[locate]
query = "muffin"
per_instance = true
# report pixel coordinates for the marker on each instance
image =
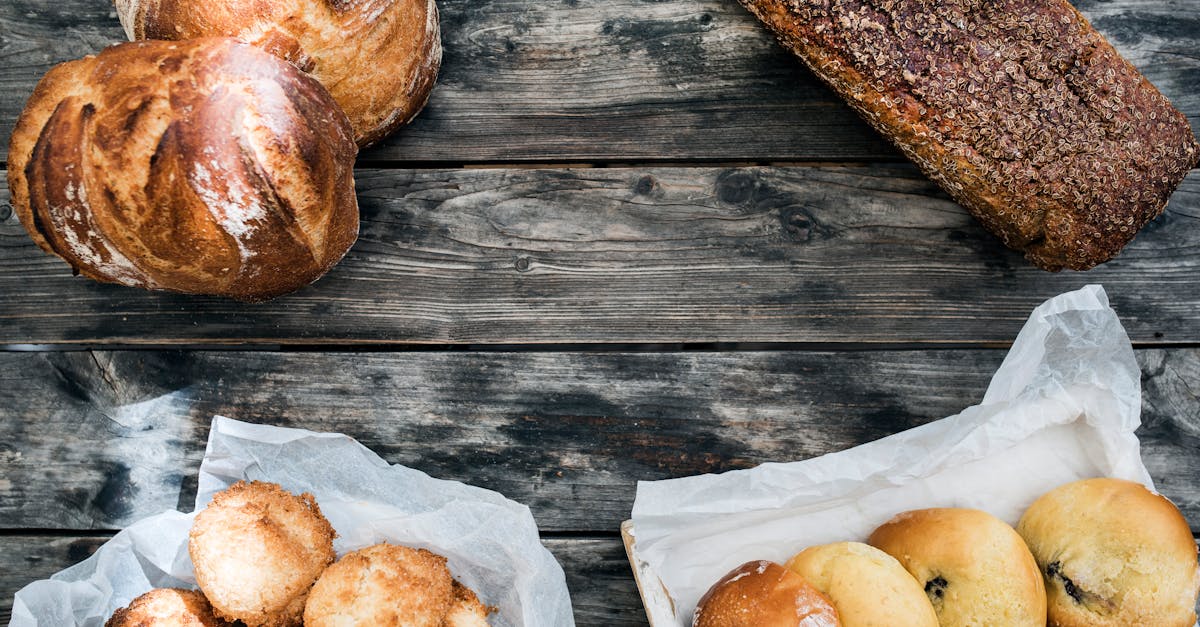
(1113, 553)
(975, 569)
(257, 550)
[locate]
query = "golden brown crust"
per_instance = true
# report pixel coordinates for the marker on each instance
(203, 166)
(378, 58)
(167, 607)
(975, 569)
(387, 584)
(868, 587)
(764, 594)
(1019, 109)
(257, 549)
(1112, 554)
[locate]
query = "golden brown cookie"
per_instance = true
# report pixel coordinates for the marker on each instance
(257, 550)
(167, 607)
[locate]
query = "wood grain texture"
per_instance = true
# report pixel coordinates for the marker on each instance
(97, 440)
(615, 80)
(602, 590)
(610, 255)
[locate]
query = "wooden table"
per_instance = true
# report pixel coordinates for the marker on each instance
(626, 240)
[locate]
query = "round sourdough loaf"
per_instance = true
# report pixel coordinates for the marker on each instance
(379, 58)
(206, 166)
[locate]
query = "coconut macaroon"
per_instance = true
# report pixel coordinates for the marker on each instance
(974, 568)
(388, 584)
(868, 587)
(257, 550)
(167, 607)
(1112, 554)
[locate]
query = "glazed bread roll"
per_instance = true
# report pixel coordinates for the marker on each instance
(1018, 109)
(167, 607)
(764, 594)
(868, 587)
(1113, 554)
(205, 166)
(975, 569)
(257, 549)
(379, 58)
(386, 584)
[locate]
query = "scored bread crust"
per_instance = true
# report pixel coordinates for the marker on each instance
(1018, 109)
(378, 58)
(205, 166)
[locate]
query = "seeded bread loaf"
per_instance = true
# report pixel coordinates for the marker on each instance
(1019, 109)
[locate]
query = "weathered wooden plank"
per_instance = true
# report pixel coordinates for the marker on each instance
(613, 255)
(602, 590)
(99, 440)
(621, 80)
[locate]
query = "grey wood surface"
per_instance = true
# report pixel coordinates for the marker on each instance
(98, 440)
(837, 248)
(610, 255)
(614, 80)
(602, 591)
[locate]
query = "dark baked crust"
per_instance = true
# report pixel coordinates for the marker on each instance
(378, 58)
(206, 166)
(1019, 109)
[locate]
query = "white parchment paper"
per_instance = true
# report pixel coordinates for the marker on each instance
(1063, 406)
(491, 543)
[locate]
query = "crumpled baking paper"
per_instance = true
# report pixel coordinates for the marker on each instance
(1063, 406)
(491, 543)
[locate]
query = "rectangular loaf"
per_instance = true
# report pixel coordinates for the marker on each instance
(1019, 109)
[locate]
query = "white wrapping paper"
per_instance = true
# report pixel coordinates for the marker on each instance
(1063, 406)
(491, 543)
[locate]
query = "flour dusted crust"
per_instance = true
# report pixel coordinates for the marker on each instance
(1019, 109)
(257, 550)
(205, 166)
(388, 584)
(378, 58)
(764, 594)
(1113, 554)
(167, 607)
(974, 568)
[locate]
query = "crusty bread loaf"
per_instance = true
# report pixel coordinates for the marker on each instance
(206, 166)
(1019, 109)
(379, 58)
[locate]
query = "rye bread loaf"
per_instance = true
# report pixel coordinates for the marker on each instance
(1019, 109)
